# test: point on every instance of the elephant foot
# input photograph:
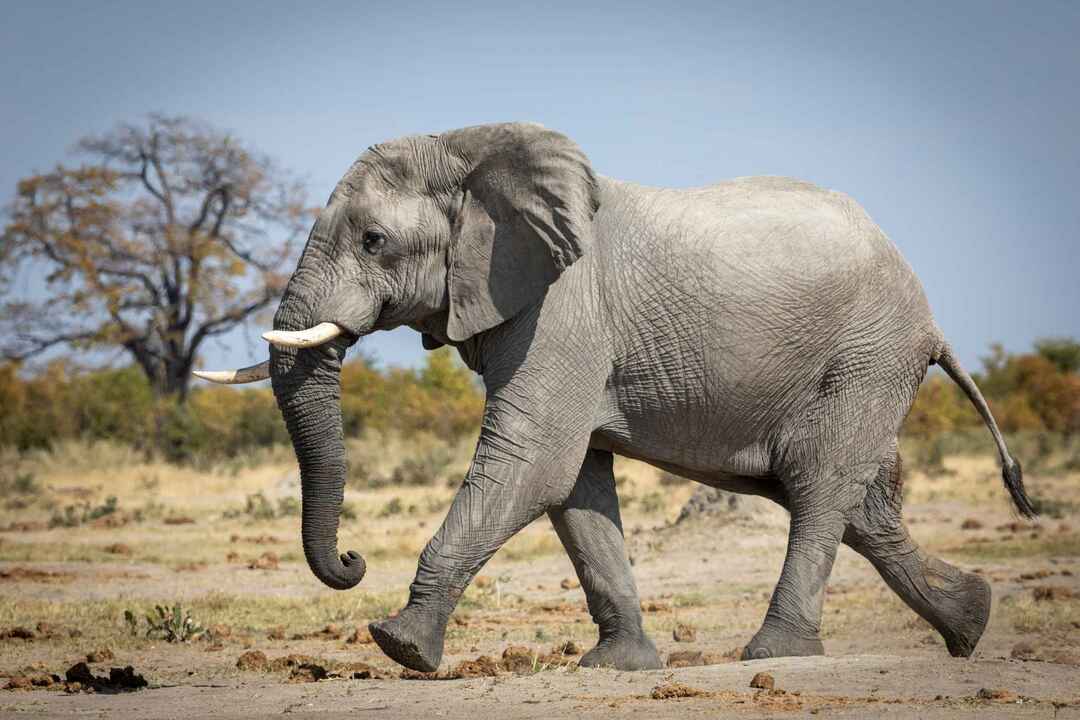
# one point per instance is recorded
(961, 610)
(623, 652)
(772, 642)
(411, 639)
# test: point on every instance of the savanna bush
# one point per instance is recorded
(61, 403)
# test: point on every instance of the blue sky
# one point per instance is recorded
(955, 124)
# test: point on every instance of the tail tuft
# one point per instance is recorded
(1014, 483)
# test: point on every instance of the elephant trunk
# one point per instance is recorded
(307, 386)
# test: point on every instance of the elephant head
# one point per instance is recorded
(452, 234)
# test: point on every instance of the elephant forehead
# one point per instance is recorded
(416, 164)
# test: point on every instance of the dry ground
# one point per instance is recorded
(199, 540)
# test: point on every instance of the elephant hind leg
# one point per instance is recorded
(954, 602)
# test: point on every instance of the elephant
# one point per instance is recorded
(760, 335)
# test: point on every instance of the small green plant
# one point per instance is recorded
(424, 468)
(258, 507)
(288, 507)
(393, 507)
(75, 515)
(171, 624)
(668, 479)
(653, 502)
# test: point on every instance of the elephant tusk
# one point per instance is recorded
(317, 335)
(251, 374)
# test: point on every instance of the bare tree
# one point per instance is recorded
(170, 233)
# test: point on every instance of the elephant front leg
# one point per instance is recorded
(508, 486)
(590, 528)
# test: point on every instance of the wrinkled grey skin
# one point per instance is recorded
(760, 335)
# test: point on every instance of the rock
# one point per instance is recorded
(569, 584)
(360, 636)
(99, 656)
(971, 524)
(671, 690)
(996, 695)
(763, 681)
(684, 633)
(253, 660)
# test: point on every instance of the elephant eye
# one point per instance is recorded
(373, 241)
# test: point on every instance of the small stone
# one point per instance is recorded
(996, 695)
(684, 633)
(763, 681)
(569, 584)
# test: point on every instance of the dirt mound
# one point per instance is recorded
(763, 681)
(80, 679)
(669, 691)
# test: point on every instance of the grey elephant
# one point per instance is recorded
(760, 335)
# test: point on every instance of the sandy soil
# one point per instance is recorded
(707, 581)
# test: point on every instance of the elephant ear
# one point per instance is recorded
(527, 203)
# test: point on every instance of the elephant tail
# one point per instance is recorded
(1010, 467)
